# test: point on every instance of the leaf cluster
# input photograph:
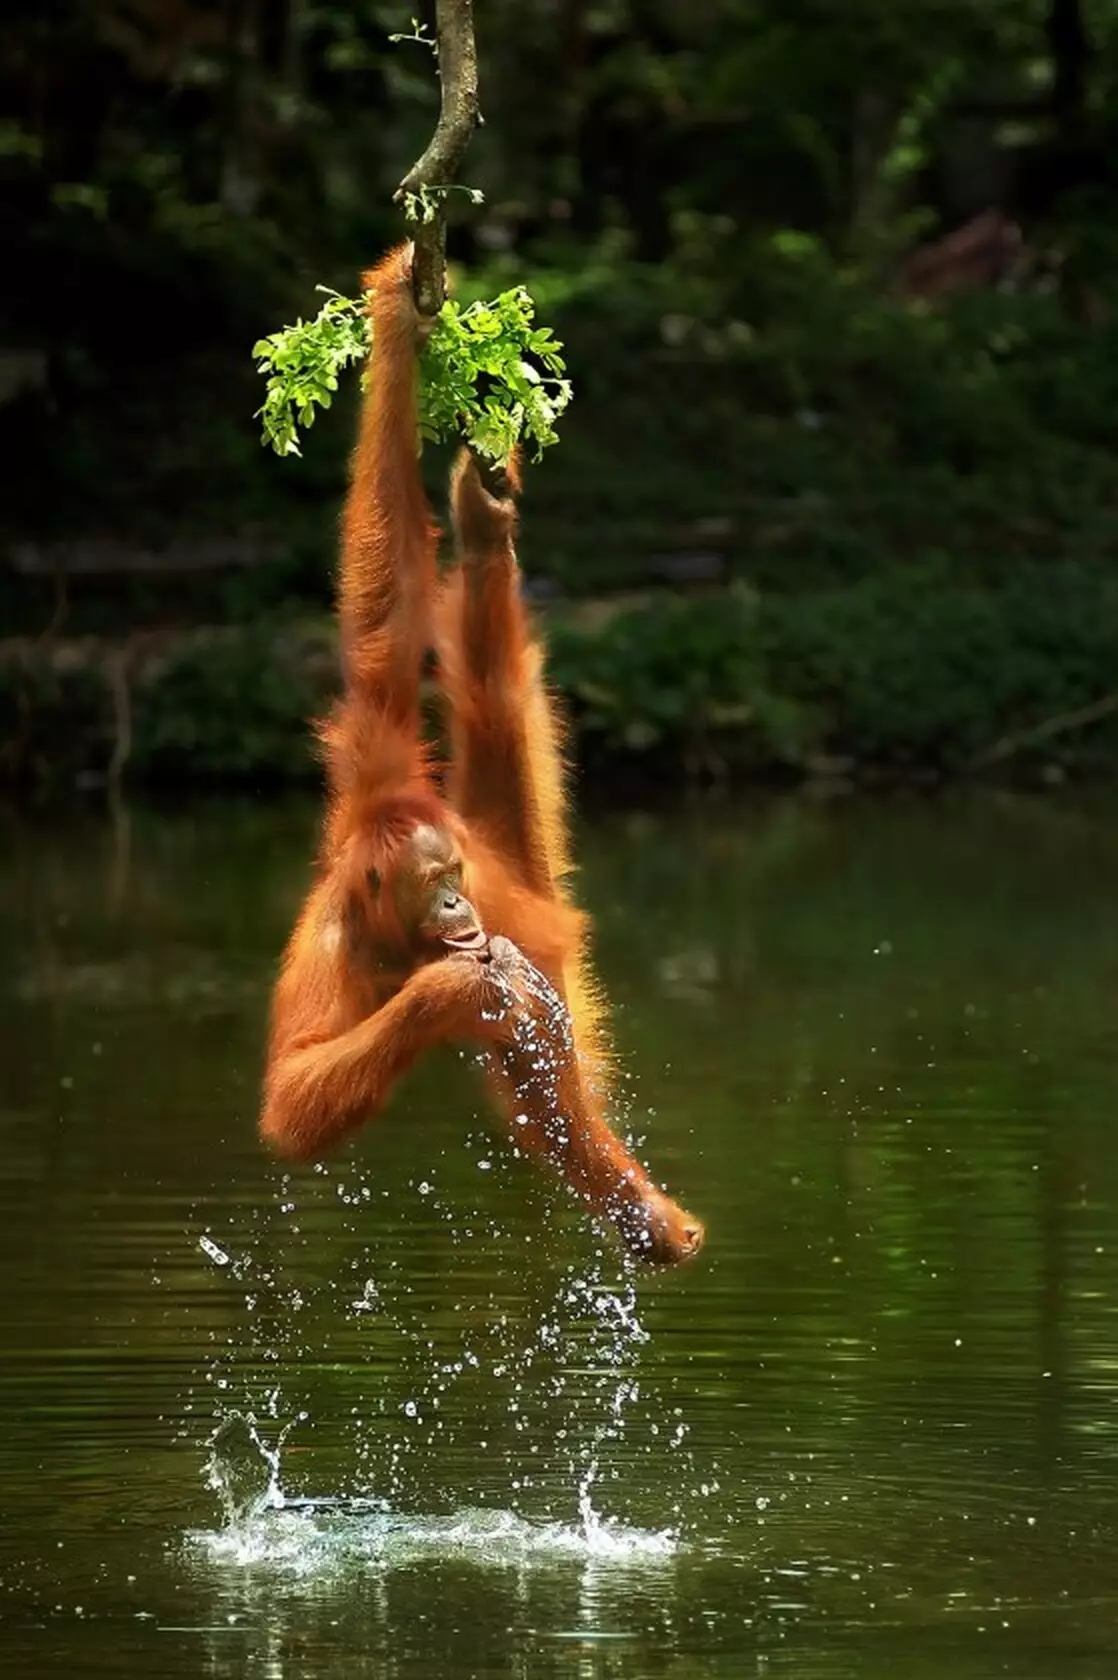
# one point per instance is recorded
(302, 365)
(488, 374)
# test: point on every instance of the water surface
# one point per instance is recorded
(410, 1415)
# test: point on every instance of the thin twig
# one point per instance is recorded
(435, 171)
(116, 676)
(1008, 745)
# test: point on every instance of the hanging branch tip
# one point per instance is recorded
(424, 189)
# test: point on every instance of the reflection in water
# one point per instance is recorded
(871, 1432)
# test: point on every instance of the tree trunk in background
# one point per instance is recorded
(871, 196)
(292, 65)
(239, 187)
(1071, 56)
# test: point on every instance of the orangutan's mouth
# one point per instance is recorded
(476, 942)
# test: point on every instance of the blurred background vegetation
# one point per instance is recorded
(837, 283)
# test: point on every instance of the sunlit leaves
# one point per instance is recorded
(302, 364)
(488, 375)
(493, 378)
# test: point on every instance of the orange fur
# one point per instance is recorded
(354, 1004)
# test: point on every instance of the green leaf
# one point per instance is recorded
(492, 342)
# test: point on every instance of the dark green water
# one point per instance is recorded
(873, 1432)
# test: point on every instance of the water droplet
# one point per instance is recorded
(217, 1255)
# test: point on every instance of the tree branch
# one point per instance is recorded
(458, 117)
(1008, 745)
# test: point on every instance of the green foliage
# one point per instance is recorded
(679, 677)
(711, 214)
(302, 365)
(830, 430)
(907, 671)
(224, 707)
(487, 374)
(898, 675)
(482, 378)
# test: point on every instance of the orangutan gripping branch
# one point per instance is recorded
(440, 909)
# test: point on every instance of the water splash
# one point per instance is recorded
(304, 1535)
(244, 1470)
(319, 1537)
(525, 1413)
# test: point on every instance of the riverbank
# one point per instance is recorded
(903, 676)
